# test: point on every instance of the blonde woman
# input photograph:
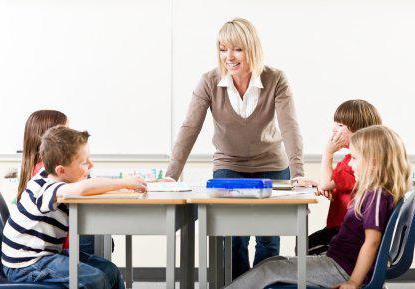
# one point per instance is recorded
(254, 113)
(383, 175)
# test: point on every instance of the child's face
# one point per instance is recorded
(343, 130)
(80, 167)
(355, 162)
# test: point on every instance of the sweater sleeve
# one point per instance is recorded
(190, 128)
(287, 121)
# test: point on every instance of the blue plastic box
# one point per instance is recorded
(239, 188)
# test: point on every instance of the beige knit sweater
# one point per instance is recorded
(252, 144)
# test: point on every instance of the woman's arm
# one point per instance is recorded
(97, 186)
(365, 260)
(190, 129)
(290, 131)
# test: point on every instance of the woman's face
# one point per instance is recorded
(234, 59)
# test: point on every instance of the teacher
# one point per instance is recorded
(247, 101)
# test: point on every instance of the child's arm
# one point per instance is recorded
(335, 143)
(365, 260)
(101, 185)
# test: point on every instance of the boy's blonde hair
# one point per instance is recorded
(357, 114)
(385, 164)
(60, 145)
(241, 33)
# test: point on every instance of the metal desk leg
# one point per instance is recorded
(213, 269)
(73, 246)
(202, 214)
(171, 246)
(187, 247)
(228, 260)
(302, 245)
(107, 247)
(128, 262)
(99, 245)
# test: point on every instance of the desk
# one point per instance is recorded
(282, 216)
(157, 214)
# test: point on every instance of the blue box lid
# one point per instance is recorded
(239, 183)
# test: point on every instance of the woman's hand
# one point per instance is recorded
(347, 285)
(135, 183)
(336, 142)
(304, 182)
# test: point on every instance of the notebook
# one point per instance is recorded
(168, 187)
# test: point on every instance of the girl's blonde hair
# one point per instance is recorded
(241, 33)
(36, 125)
(384, 164)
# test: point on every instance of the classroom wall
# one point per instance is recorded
(125, 69)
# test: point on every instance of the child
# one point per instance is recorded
(337, 184)
(36, 125)
(37, 227)
(383, 175)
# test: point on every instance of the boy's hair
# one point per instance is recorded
(60, 145)
(357, 114)
(384, 164)
(36, 125)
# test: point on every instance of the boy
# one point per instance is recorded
(38, 225)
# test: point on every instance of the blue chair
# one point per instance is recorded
(400, 251)
(4, 283)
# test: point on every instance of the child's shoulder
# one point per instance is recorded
(40, 181)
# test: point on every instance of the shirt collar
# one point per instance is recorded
(228, 82)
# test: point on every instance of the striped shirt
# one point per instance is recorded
(37, 226)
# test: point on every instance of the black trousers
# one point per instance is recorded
(318, 242)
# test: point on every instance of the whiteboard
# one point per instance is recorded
(125, 70)
(331, 51)
(105, 64)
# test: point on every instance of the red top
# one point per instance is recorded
(36, 169)
(344, 180)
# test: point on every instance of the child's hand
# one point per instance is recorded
(327, 193)
(136, 184)
(304, 182)
(347, 285)
(336, 142)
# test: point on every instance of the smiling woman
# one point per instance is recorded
(253, 111)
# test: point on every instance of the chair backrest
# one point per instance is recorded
(381, 264)
(4, 216)
(402, 250)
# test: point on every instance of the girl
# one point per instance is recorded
(383, 175)
(36, 125)
(337, 184)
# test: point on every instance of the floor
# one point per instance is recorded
(161, 285)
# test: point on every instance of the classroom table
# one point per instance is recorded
(275, 216)
(156, 214)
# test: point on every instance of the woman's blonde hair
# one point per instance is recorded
(384, 164)
(241, 33)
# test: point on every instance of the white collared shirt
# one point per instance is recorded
(246, 105)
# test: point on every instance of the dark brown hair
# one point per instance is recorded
(357, 114)
(60, 146)
(36, 125)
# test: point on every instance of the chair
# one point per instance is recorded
(402, 250)
(405, 211)
(4, 283)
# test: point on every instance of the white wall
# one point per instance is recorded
(125, 69)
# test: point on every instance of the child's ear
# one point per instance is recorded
(60, 170)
